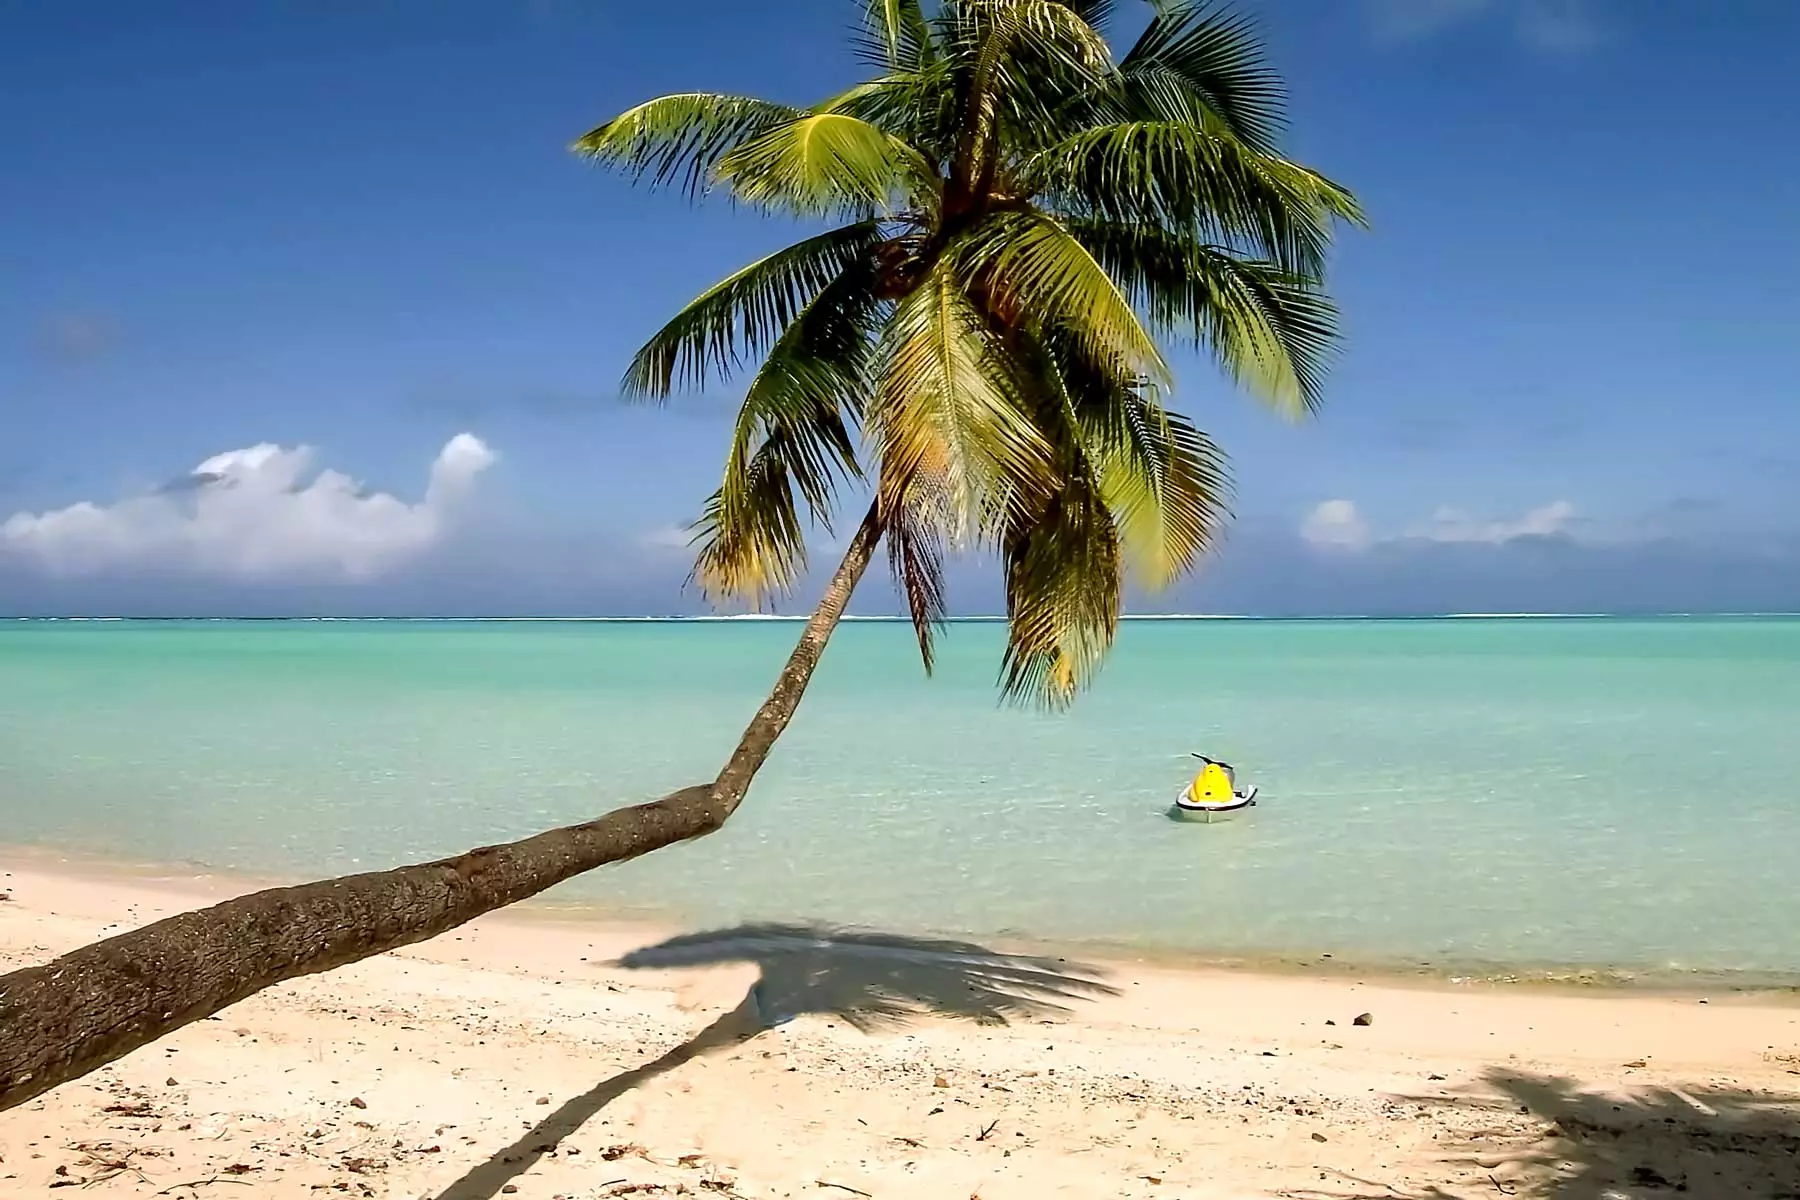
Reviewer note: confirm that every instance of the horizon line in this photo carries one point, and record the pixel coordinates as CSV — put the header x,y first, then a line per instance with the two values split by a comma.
x,y
970,619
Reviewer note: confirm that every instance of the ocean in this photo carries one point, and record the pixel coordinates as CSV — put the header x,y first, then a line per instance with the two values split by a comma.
x,y
1502,794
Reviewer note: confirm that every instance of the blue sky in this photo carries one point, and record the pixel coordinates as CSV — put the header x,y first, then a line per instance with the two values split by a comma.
x,y
1569,380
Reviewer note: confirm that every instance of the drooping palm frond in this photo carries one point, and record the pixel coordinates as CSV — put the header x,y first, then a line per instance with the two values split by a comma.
x,y
754,546
828,164
1062,573
1033,273
1183,178
793,434
681,137
916,525
744,312
1165,483
1272,330
1197,63
947,406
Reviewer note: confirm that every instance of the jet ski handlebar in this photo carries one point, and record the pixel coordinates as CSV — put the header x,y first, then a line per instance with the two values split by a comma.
x,y
1214,761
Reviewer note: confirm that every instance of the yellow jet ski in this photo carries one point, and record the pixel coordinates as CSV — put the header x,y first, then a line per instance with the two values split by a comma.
x,y
1212,794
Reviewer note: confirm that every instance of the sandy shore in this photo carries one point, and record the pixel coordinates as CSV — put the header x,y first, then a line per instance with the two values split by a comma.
x,y
515,1057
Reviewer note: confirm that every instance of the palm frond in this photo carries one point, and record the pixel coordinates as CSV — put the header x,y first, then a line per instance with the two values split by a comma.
x,y
742,313
793,434
1095,13
1270,329
1166,484
915,528
1026,59
753,546
1032,272
1203,184
947,406
1164,481
895,34
1197,63
918,106
827,164
681,136
1063,584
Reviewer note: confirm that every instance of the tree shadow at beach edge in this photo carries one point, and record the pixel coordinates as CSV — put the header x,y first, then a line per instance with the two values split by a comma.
x,y
1554,1138
870,980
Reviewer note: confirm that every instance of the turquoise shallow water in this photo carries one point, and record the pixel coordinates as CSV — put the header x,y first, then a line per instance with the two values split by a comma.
x,y
1519,792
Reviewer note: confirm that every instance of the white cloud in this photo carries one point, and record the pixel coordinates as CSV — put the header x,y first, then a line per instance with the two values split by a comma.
x,y
1558,25
1453,525
255,513
1335,524
667,537
1406,19
1563,25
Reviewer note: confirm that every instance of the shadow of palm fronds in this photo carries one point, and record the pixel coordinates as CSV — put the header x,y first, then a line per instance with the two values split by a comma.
x,y
1703,1143
872,979
866,979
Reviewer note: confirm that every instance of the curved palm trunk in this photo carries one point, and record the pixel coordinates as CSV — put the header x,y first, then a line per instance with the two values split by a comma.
x,y
63,1019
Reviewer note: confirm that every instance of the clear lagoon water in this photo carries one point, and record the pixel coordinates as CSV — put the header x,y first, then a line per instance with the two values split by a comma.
x,y
1517,793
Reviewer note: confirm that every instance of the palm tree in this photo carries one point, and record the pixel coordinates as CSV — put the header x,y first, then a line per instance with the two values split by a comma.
x,y
1018,222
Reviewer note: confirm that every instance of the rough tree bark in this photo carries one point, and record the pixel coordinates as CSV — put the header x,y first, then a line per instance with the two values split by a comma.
x,y
65,1018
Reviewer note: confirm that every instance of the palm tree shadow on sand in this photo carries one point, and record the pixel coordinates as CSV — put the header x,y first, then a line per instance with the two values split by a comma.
x,y
1664,1143
869,980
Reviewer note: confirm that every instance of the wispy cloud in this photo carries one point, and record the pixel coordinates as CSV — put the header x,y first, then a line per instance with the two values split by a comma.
x,y
1455,525
666,537
74,338
1560,26
256,513
1338,525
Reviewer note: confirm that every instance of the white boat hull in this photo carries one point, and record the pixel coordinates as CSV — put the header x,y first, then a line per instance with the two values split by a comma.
x,y
1186,810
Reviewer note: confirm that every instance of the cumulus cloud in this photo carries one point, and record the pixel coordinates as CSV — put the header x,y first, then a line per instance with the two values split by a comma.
x,y
1337,525
1564,26
262,512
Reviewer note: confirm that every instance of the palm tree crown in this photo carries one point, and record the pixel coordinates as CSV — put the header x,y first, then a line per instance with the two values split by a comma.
x,y
1019,220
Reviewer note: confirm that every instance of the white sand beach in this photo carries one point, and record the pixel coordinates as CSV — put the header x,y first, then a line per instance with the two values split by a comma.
x,y
511,1058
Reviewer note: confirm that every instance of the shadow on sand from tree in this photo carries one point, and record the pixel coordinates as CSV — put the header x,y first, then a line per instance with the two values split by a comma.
x,y
868,980
1551,1139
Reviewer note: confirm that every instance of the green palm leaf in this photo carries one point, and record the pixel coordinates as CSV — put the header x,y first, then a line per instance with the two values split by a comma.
x,y
916,527
745,311
682,136
1188,179
1034,273
1196,63
1270,329
1024,59
948,409
753,546
1166,484
828,164
897,34
1062,573
793,434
